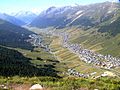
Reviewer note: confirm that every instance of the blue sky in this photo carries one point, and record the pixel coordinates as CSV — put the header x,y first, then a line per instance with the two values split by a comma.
x,y
9,6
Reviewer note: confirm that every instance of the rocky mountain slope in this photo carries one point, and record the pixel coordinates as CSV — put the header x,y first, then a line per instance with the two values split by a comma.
x,y
25,16
11,19
83,16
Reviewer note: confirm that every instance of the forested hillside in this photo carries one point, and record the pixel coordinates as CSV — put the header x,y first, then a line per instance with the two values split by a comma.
x,y
14,36
13,63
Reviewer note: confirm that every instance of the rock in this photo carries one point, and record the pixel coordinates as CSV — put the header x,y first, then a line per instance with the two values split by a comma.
x,y
5,87
36,87
2,85
95,89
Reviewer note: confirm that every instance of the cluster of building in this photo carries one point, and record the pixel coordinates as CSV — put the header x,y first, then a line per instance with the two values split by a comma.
x,y
92,75
88,56
78,74
36,40
91,57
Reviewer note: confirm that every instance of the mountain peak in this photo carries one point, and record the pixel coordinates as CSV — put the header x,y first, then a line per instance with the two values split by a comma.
x,y
11,19
23,13
86,16
26,16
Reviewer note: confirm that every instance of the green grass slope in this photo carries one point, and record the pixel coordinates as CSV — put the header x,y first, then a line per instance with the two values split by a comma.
x,y
14,63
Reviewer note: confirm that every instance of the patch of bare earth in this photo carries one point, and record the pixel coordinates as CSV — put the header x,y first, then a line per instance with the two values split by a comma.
x,y
20,86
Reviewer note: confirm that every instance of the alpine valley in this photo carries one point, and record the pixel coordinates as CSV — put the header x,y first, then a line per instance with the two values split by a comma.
x,y
62,48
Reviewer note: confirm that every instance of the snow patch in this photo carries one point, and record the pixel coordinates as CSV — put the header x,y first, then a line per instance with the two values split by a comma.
x,y
79,12
113,20
75,18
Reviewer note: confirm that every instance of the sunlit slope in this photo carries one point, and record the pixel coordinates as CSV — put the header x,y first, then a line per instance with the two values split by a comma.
x,y
97,41
70,60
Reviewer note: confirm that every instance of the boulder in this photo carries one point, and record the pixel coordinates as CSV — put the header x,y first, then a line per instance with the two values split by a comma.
x,y
36,87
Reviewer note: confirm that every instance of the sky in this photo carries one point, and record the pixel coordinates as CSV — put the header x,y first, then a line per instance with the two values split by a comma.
x,y
36,6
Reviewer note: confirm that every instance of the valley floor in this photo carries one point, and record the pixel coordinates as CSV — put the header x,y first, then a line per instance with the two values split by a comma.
x,y
57,62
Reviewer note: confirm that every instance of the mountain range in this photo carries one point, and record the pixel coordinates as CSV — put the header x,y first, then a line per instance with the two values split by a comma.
x,y
19,18
95,26
25,16
11,19
83,16
103,16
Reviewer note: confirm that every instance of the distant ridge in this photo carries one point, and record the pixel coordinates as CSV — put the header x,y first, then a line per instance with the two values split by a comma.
x,y
83,16
11,19
25,16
